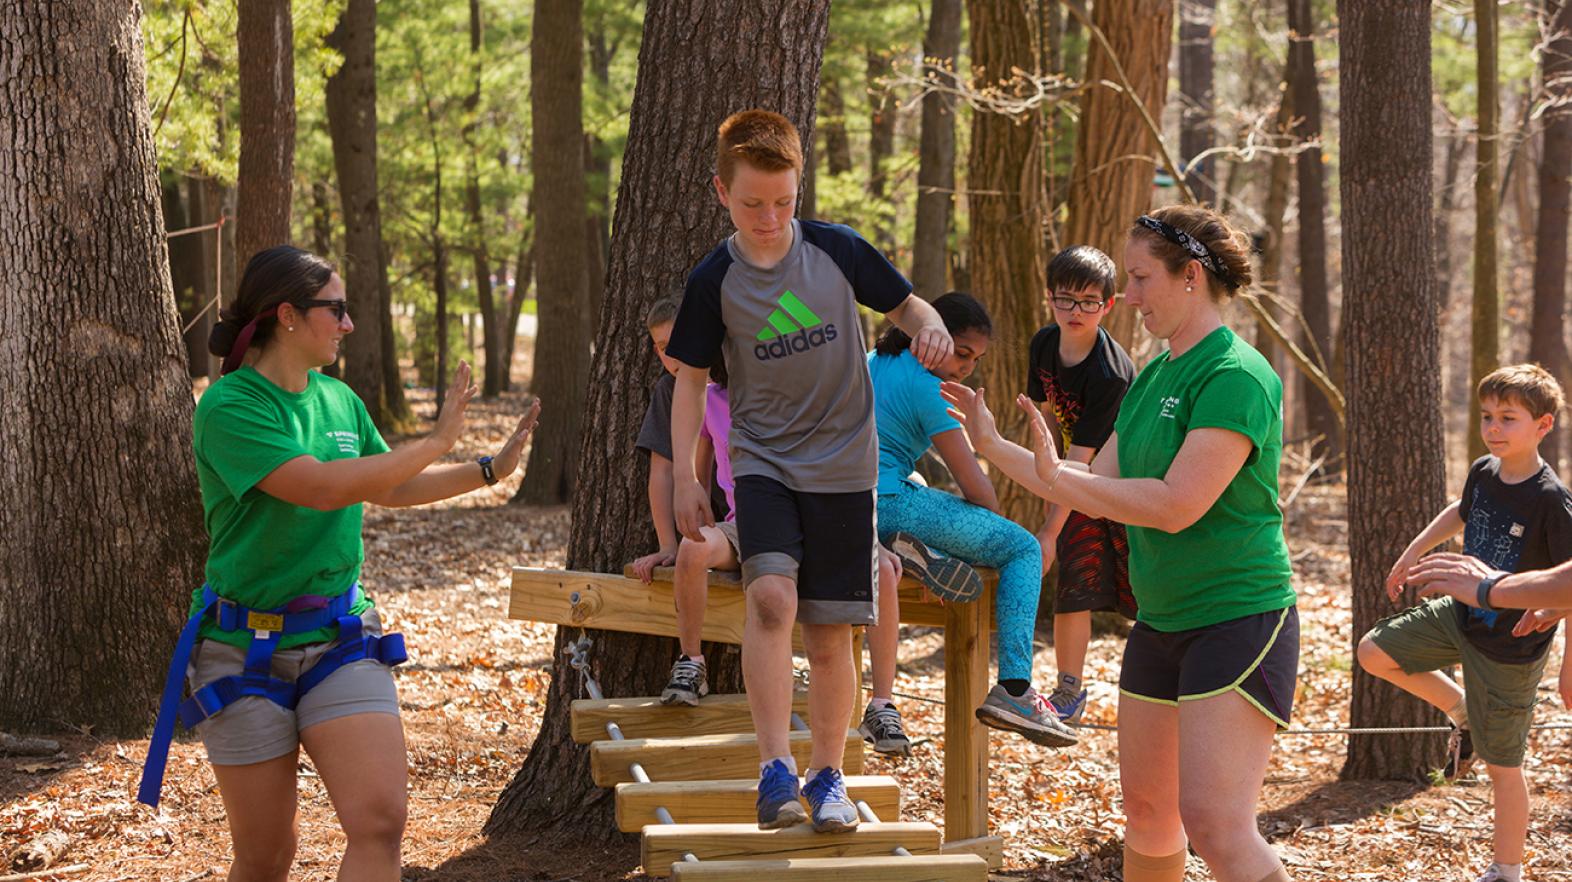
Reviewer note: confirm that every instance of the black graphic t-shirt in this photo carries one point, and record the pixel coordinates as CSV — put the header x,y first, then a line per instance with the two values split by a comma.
x,y
1513,527
1084,397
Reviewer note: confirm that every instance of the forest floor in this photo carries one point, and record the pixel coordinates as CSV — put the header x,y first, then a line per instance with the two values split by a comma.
x,y
473,693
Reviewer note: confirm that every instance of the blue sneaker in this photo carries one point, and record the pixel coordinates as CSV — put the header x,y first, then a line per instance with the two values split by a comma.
x,y
1067,703
833,811
778,793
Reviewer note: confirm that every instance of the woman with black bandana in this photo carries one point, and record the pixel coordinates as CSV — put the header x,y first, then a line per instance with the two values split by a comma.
x,y
1210,667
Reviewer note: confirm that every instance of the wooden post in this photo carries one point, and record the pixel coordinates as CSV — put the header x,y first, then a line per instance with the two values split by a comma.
x,y
965,739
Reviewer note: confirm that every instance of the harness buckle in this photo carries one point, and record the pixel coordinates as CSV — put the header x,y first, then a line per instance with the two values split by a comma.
x,y
260,621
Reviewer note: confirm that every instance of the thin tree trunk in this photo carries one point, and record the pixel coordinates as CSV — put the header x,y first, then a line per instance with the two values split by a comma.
x,y
1008,208
1278,179
1451,168
99,503
837,145
881,138
1546,343
562,351
266,40
706,56
597,169
1485,347
1394,345
523,277
205,201
1197,18
1314,304
370,360
936,168
1112,181
480,257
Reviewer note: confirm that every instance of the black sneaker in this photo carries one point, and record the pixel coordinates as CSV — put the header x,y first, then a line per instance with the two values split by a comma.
x,y
947,577
882,728
689,683
1459,754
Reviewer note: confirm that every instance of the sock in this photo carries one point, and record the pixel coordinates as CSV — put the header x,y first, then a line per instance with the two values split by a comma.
x,y
698,657
877,703
1145,868
1277,875
1070,682
1016,688
790,761
1459,714
1509,872
808,775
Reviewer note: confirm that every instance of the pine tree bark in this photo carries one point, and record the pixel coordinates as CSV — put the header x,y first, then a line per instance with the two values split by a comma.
x,y
936,153
1314,304
1546,344
1110,188
266,39
99,504
1196,21
1394,345
711,57
562,352
352,124
1008,209
1485,345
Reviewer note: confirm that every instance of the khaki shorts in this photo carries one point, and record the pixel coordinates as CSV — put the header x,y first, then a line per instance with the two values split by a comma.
x,y
254,729
1500,696
729,530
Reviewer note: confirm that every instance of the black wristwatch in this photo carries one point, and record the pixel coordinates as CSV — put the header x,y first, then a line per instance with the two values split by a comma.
x,y
486,470
1482,597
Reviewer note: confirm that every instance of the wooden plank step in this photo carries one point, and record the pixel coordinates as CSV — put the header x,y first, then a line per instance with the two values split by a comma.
x,y
664,844
715,802
702,757
917,868
646,717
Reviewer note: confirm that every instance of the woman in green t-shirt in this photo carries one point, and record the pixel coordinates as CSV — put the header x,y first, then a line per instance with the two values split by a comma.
x,y
1210,668
288,651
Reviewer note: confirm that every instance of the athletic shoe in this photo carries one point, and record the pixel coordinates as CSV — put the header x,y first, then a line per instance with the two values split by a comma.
x,y
689,682
1067,703
832,809
882,728
946,577
777,804
1028,715
1496,874
1459,754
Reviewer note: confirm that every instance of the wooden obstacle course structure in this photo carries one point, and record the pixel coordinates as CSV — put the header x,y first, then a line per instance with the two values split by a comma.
x,y
686,777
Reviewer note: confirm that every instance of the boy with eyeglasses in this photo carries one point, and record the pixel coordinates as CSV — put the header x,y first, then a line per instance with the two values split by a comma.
x,y
1078,375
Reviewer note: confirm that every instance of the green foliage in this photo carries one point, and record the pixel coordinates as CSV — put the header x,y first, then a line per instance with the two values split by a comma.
x,y
1454,55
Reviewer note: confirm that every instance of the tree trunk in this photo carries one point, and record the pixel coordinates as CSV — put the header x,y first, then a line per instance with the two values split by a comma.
x,y
837,144
185,269
562,352
881,138
205,199
597,175
1273,214
706,56
936,169
1110,188
1451,168
1485,348
266,40
352,123
1314,304
1196,21
523,277
1394,344
1008,206
480,256
1546,344
99,504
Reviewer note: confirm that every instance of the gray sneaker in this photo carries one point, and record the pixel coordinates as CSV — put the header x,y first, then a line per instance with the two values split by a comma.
x,y
832,810
689,682
882,728
947,577
1028,715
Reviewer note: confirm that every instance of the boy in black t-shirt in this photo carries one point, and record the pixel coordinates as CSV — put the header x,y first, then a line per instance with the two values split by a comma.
x,y
1078,375
1515,515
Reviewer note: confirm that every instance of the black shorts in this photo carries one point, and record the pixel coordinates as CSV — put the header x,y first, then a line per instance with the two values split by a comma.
x,y
1256,656
825,542
1094,567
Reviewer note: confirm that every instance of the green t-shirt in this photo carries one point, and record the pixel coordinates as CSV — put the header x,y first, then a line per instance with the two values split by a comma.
x,y
264,552
1232,562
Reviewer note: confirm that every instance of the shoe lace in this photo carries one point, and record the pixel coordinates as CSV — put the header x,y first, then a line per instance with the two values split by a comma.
x,y
777,785
687,671
887,722
827,786
1063,698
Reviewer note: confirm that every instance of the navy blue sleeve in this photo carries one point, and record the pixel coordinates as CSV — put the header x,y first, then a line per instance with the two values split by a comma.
x,y
700,329
875,282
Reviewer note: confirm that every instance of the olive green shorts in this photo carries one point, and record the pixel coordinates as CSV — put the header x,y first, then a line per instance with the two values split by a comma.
x,y
1500,696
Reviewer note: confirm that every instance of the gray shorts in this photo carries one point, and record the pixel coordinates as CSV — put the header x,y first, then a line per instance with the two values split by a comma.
x,y
729,530
254,729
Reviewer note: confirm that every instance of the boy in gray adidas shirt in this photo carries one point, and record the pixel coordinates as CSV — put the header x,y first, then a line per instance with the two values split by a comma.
x,y
779,298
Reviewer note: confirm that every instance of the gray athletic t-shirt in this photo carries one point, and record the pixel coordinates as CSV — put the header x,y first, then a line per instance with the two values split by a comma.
x,y
801,400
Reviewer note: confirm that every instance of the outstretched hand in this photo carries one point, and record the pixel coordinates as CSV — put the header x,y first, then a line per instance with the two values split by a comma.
x,y
1045,456
450,421
507,459
971,411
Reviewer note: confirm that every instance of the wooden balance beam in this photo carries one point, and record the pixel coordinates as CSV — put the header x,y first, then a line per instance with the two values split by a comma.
x,y
623,603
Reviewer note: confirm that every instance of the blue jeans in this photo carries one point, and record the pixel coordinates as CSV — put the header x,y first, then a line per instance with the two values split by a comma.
x,y
951,525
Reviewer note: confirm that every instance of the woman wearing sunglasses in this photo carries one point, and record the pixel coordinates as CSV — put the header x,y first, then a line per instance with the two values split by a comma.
x,y
283,649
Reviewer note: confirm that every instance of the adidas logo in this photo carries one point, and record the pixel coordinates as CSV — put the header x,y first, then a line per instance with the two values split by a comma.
x,y
791,328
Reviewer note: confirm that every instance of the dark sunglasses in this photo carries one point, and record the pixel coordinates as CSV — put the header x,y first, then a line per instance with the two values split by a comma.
x,y
340,307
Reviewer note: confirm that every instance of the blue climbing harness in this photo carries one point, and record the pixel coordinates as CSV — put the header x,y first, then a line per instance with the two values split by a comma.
x,y
267,627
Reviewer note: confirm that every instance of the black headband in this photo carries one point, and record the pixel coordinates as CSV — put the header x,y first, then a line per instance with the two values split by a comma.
x,y
1193,246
